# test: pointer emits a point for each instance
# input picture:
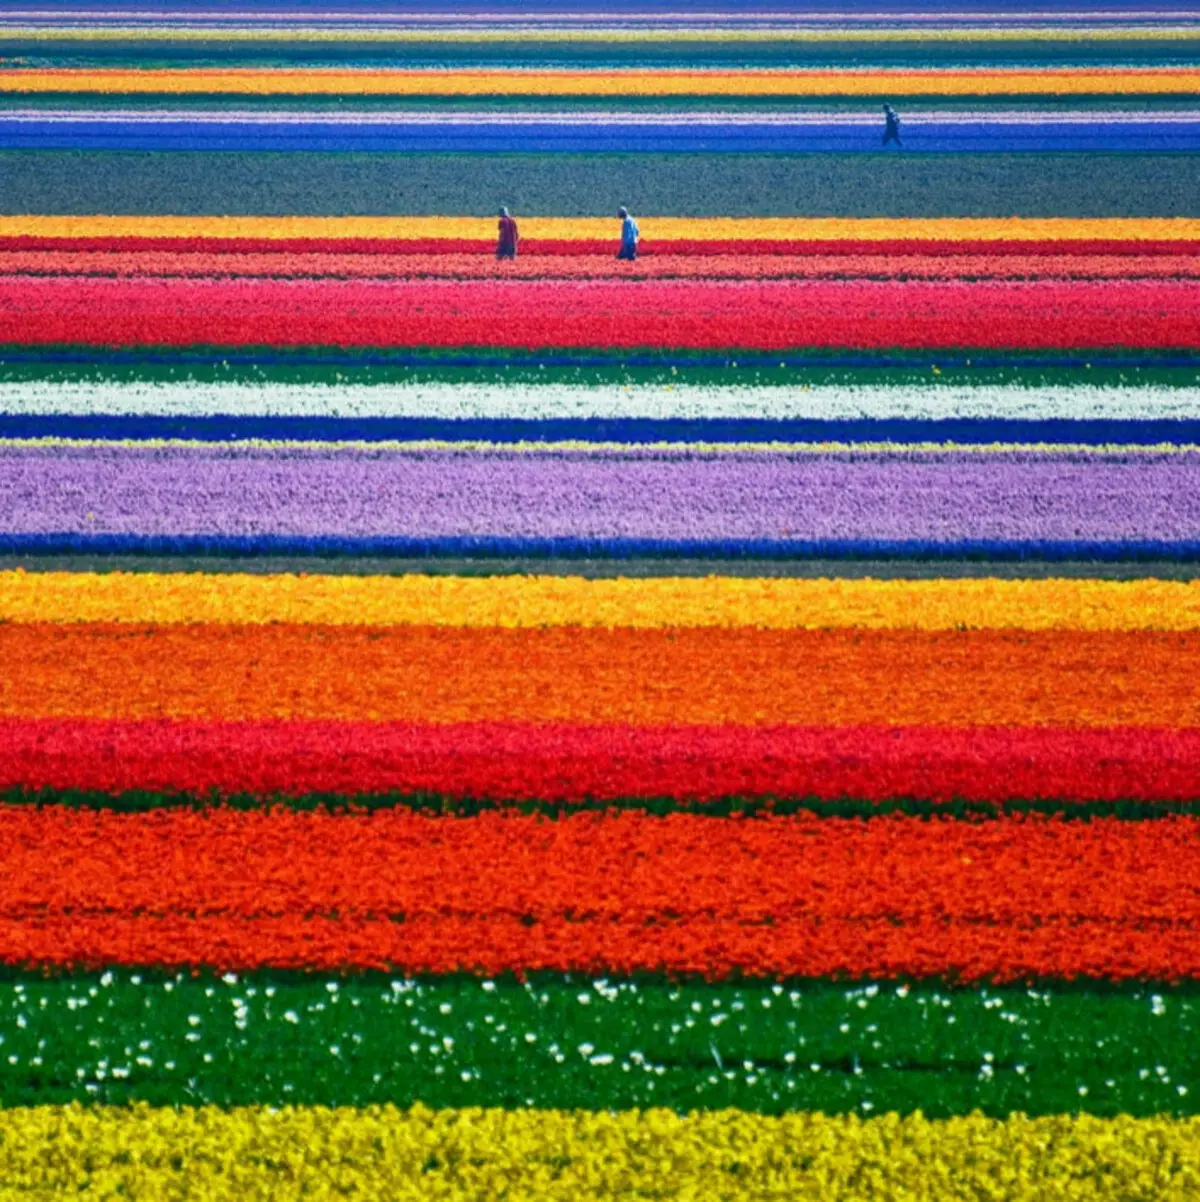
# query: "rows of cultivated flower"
(665, 399)
(767, 84)
(707, 131)
(807, 860)
(456, 1155)
(724, 314)
(136, 762)
(616, 500)
(635, 678)
(1136, 235)
(498, 767)
(541, 601)
(775, 896)
(537, 263)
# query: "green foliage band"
(333, 366)
(555, 1041)
(140, 801)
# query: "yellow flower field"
(573, 1156)
(655, 603)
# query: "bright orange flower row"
(627, 891)
(641, 677)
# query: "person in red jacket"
(506, 248)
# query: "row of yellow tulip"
(539, 1156)
(538, 601)
(1108, 81)
(662, 228)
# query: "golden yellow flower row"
(665, 229)
(576, 1156)
(533, 601)
(1117, 81)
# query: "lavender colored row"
(787, 496)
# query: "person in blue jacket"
(891, 130)
(629, 235)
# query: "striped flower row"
(709, 314)
(467, 401)
(614, 132)
(1010, 899)
(350, 81)
(617, 501)
(453, 1156)
(1147, 232)
(532, 602)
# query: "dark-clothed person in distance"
(506, 247)
(891, 129)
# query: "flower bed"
(548, 1155)
(776, 896)
(508, 762)
(750, 314)
(719, 726)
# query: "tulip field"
(723, 724)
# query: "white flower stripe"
(498, 401)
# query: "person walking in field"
(629, 235)
(506, 247)
(891, 130)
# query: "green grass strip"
(141, 801)
(561, 1041)
(534, 52)
(568, 184)
(747, 370)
